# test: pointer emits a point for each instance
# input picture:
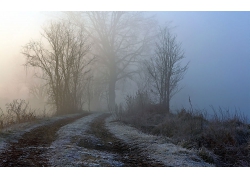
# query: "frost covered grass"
(223, 139)
(158, 148)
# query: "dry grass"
(224, 139)
(16, 112)
(227, 139)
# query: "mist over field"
(124, 88)
(216, 45)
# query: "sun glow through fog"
(16, 29)
(215, 43)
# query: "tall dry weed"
(17, 111)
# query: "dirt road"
(33, 147)
(92, 140)
(29, 149)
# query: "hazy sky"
(16, 29)
(217, 44)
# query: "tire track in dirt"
(30, 149)
(128, 155)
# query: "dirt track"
(32, 147)
(29, 149)
(128, 155)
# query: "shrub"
(167, 128)
(119, 112)
(134, 109)
(226, 135)
(228, 139)
(1, 118)
(207, 155)
(224, 139)
(16, 112)
(137, 104)
(182, 126)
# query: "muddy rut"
(31, 148)
(128, 155)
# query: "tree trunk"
(57, 87)
(168, 93)
(112, 83)
(167, 103)
(111, 99)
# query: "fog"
(216, 44)
(16, 28)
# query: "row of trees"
(109, 45)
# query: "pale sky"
(217, 44)
(16, 29)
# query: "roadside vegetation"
(18, 111)
(87, 59)
(222, 139)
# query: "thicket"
(222, 139)
(17, 111)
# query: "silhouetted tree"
(120, 39)
(38, 91)
(63, 56)
(165, 67)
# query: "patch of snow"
(156, 147)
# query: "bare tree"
(38, 91)
(62, 55)
(89, 90)
(165, 67)
(120, 39)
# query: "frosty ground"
(92, 140)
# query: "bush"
(168, 128)
(182, 126)
(226, 136)
(207, 155)
(134, 110)
(137, 104)
(119, 112)
(229, 140)
(141, 112)
(1, 118)
(224, 139)
(17, 111)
